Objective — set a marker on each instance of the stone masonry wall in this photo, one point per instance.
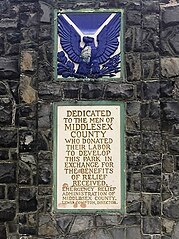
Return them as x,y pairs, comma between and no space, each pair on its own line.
150,90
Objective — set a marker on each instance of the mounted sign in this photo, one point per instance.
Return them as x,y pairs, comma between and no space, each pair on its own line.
88,44
89,156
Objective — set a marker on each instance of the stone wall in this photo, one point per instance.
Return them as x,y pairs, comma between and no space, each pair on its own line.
150,90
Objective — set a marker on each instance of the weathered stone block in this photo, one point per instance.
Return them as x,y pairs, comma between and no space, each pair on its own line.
171,208
170,14
151,225
8,138
27,199
150,6
7,211
176,231
8,67
152,170
166,88
27,141
7,173
28,19
150,67
3,88
151,22
133,37
8,23
2,191
45,12
44,115
168,164
82,223
3,232
119,91
12,192
117,232
151,142
151,184
13,37
45,73
44,173
151,90
46,226
92,91
50,90
170,66
133,233
133,17
6,111
133,66
170,114
71,90
4,154
150,40
156,205
134,162
28,61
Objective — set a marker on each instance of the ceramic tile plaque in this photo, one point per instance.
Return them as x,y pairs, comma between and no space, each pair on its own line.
89,164
88,45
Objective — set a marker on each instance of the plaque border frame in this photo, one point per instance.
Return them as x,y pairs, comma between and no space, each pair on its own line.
55,37
123,156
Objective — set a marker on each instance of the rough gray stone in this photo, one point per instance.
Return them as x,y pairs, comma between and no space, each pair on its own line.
170,14
7,173
64,222
92,91
8,138
27,199
46,226
133,66
50,90
171,208
133,233
82,223
117,232
122,91
7,211
170,66
175,234
9,67
152,225
45,12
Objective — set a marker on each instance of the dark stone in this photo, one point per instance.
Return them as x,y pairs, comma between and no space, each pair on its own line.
134,182
4,154
151,142
11,192
8,67
27,141
133,66
71,90
168,164
27,111
170,111
134,162
50,90
133,37
45,52
7,173
27,199
133,17
176,231
153,169
117,232
131,220
3,88
174,42
3,232
116,91
92,91
44,115
133,143
151,225
5,111
64,222
150,159
45,74
45,33
151,40
12,227
150,68
146,204
151,90
2,191
171,208
133,233
43,140
176,162
173,145
150,6
151,184
170,15
7,211
45,173
26,230
28,19
166,88
151,22
155,205
1,43
30,37
174,187
14,37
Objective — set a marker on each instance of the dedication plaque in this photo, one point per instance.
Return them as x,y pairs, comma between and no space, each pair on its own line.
89,156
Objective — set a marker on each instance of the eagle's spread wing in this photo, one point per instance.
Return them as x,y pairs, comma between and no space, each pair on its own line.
69,39
108,40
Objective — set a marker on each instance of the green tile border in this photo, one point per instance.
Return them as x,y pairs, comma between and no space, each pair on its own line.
111,10
123,157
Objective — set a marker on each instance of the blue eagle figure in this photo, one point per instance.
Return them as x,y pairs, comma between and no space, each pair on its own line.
89,57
